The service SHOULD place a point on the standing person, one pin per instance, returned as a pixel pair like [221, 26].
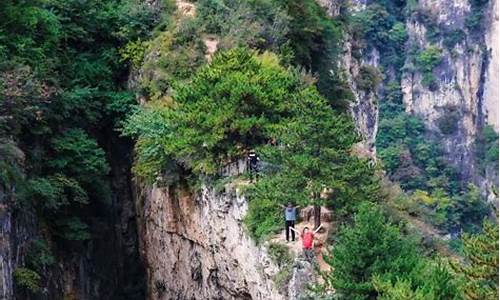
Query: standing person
[307, 241]
[253, 161]
[290, 218]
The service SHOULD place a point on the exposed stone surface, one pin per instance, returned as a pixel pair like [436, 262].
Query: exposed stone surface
[467, 83]
[195, 246]
[302, 274]
[364, 109]
[491, 86]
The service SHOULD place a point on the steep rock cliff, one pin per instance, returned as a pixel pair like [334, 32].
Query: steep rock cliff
[195, 246]
[467, 78]
[461, 83]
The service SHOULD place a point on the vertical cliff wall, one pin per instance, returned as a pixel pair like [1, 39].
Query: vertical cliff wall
[466, 78]
[195, 246]
[460, 82]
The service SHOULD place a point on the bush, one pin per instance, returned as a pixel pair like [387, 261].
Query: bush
[448, 122]
[426, 60]
[486, 149]
[370, 247]
[39, 256]
[27, 279]
[373, 260]
[369, 78]
[263, 218]
[280, 254]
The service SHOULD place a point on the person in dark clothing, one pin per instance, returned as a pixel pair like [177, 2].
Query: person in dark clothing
[290, 218]
[253, 164]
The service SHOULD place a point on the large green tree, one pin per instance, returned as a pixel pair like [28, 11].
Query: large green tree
[373, 259]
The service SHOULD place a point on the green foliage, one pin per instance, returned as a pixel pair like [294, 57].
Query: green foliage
[473, 22]
[480, 269]
[73, 229]
[27, 279]
[369, 78]
[54, 192]
[134, 52]
[257, 24]
[11, 157]
[426, 60]
[61, 78]
[231, 105]
[315, 157]
[373, 260]
[486, 149]
[39, 256]
[431, 281]
[263, 219]
[77, 154]
[280, 254]
[448, 122]
[450, 39]
[370, 247]
[380, 26]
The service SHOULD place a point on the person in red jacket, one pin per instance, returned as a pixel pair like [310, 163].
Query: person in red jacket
[307, 238]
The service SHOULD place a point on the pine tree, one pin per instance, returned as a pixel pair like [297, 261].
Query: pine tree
[480, 268]
[370, 247]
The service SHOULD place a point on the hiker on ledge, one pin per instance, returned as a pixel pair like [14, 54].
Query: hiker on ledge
[253, 164]
[290, 218]
[307, 241]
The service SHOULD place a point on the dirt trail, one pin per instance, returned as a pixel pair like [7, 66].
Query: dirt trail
[185, 8]
[211, 44]
[320, 239]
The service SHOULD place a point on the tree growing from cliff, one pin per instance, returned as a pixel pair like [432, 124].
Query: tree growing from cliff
[230, 106]
[317, 160]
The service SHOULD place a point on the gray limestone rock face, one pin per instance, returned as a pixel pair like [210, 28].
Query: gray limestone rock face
[194, 246]
[302, 275]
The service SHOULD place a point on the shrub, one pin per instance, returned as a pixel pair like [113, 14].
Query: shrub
[39, 255]
[426, 60]
[134, 52]
[27, 279]
[486, 148]
[369, 78]
[280, 254]
[263, 218]
[370, 247]
[373, 260]
[448, 122]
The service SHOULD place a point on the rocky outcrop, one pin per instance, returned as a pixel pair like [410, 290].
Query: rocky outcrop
[491, 92]
[364, 108]
[302, 274]
[467, 79]
[195, 247]
[459, 83]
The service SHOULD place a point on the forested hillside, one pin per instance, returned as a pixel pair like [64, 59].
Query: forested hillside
[126, 128]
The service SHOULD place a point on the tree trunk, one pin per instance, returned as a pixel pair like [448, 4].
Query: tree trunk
[317, 216]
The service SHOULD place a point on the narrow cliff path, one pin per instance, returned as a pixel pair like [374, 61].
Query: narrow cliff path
[188, 9]
[320, 239]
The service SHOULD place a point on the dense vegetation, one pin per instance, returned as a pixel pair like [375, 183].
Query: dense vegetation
[62, 91]
[411, 154]
[374, 260]
[273, 86]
